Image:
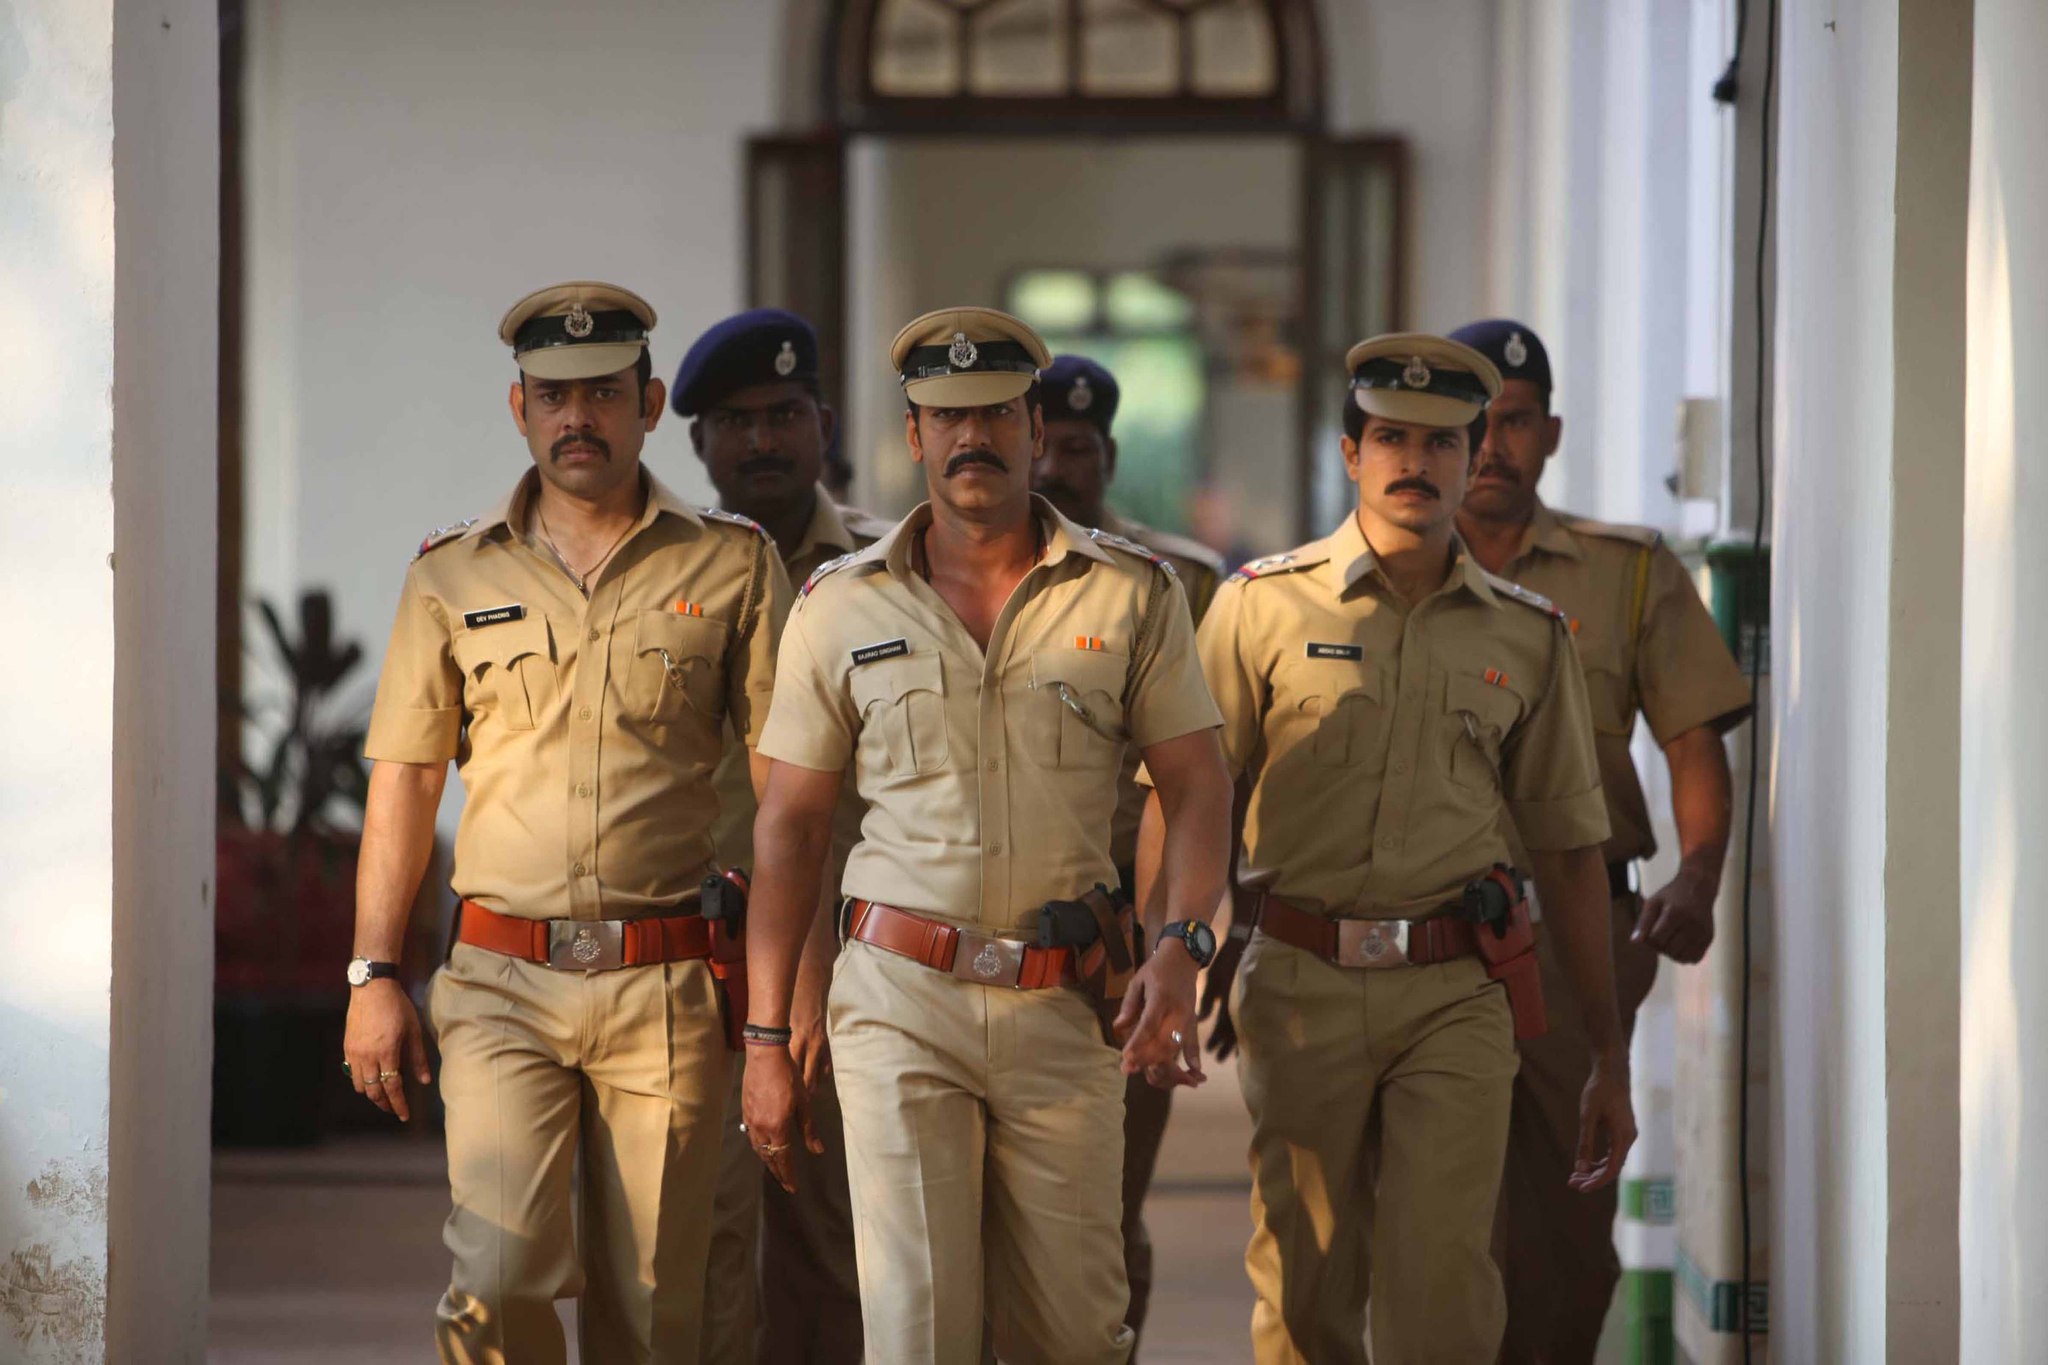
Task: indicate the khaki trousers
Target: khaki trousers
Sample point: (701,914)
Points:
(1557,1246)
(730,1294)
(1146,1110)
(984,1141)
(625,1070)
(1426,1052)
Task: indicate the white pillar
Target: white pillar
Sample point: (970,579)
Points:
(108,255)
(2004,1090)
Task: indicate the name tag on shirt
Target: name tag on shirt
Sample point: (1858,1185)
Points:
(887,649)
(1352,653)
(494,616)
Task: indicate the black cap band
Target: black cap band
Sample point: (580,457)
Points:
(607,328)
(1387,373)
(936,362)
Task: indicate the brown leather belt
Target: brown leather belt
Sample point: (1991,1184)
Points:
(966,954)
(580,945)
(1370,943)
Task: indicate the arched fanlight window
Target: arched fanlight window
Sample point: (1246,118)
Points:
(1031,64)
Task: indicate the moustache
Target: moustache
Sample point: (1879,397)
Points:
(971,457)
(1505,473)
(580,438)
(1417,485)
(764,464)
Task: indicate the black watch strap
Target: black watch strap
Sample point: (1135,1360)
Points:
(1198,938)
(370,971)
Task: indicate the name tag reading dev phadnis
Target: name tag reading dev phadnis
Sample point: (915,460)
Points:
(493,616)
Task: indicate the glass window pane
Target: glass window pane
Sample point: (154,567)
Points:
(1233,43)
(1137,302)
(1055,300)
(1020,48)
(1128,47)
(916,48)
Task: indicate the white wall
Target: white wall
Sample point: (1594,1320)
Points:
(2004,1220)
(106,277)
(412,169)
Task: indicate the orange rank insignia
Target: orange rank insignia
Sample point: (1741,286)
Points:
(686,608)
(1089,642)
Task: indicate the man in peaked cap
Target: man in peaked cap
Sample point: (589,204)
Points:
(1081,398)
(749,386)
(1389,704)
(1649,647)
(981,669)
(580,652)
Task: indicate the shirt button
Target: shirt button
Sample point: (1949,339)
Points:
(995,850)
(583,789)
(1400,765)
(578,870)
(584,714)
(594,633)
(995,765)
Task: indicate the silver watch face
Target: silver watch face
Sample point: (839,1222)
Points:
(359,971)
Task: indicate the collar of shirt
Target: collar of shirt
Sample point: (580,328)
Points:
(1348,560)
(826,532)
(1547,533)
(1062,538)
(510,512)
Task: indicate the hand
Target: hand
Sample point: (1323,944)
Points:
(808,1046)
(1216,996)
(383,1042)
(776,1109)
(1157,1021)
(1607,1125)
(1679,920)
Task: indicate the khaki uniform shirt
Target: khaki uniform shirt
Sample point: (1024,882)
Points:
(990,777)
(1200,569)
(584,729)
(1383,740)
(833,531)
(1669,662)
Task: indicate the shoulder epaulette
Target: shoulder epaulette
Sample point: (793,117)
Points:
(1130,547)
(1647,536)
(732,519)
(1269,565)
(1527,598)
(441,535)
(828,567)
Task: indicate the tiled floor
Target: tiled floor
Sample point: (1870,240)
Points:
(333,1256)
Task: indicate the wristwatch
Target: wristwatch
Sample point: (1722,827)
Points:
(1198,938)
(362,971)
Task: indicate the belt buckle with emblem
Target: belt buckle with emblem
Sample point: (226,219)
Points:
(586,945)
(1372,943)
(988,960)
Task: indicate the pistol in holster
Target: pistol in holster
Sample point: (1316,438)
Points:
(1498,908)
(723,898)
(1100,929)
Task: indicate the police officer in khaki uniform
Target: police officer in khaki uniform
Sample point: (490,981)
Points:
(579,652)
(1388,700)
(1649,647)
(982,668)
(1080,399)
(749,386)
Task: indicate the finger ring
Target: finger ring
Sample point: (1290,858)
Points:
(393,1075)
(772,1148)
(1176,1037)
(743,1125)
(347,1070)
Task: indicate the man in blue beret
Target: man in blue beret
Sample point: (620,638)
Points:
(1080,399)
(749,386)
(1649,648)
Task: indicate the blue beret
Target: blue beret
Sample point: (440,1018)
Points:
(760,346)
(1514,349)
(1076,389)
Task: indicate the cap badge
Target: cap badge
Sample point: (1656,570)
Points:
(1516,352)
(579,322)
(785,360)
(963,353)
(1416,373)
(1081,398)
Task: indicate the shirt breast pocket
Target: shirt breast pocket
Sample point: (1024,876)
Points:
(903,701)
(1078,706)
(1603,661)
(1479,716)
(508,671)
(678,663)
(1347,722)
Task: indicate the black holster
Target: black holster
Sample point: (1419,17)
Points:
(1100,930)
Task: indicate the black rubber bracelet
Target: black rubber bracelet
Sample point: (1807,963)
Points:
(762,1036)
